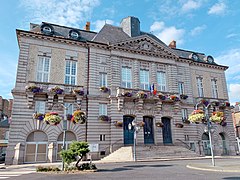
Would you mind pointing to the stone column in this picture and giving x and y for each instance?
(50, 152)
(16, 154)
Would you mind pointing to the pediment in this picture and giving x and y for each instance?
(145, 45)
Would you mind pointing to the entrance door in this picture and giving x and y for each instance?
(206, 144)
(148, 130)
(166, 131)
(224, 144)
(128, 133)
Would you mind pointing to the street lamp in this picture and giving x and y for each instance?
(209, 128)
(136, 128)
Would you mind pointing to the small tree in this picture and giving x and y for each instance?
(77, 150)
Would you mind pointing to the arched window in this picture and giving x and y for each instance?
(36, 147)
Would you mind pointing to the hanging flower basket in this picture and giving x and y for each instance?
(127, 94)
(159, 124)
(52, 118)
(79, 117)
(179, 125)
(215, 103)
(205, 102)
(223, 123)
(217, 117)
(161, 96)
(104, 89)
(56, 90)
(78, 92)
(224, 104)
(69, 117)
(196, 116)
(38, 116)
(118, 123)
(33, 88)
(104, 118)
(142, 95)
(183, 96)
(174, 98)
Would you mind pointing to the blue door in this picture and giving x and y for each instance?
(148, 130)
(166, 131)
(128, 133)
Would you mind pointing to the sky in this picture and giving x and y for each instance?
(207, 26)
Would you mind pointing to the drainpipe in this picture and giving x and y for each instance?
(88, 72)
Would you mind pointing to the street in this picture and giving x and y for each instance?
(140, 170)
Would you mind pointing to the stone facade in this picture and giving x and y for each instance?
(108, 52)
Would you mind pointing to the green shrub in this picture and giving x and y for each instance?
(87, 166)
(47, 169)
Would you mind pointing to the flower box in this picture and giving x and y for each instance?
(104, 89)
(38, 116)
(69, 117)
(159, 124)
(78, 92)
(142, 95)
(104, 118)
(118, 123)
(215, 103)
(79, 117)
(179, 125)
(223, 123)
(161, 96)
(56, 90)
(183, 96)
(33, 88)
(217, 117)
(174, 98)
(127, 94)
(52, 118)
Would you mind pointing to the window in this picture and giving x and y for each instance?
(126, 77)
(70, 72)
(161, 81)
(144, 79)
(103, 109)
(69, 108)
(180, 87)
(40, 106)
(102, 137)
(214, 88)
(43, 69)
(200, 86)
(184, 114)
(6, 136)
(103, 79)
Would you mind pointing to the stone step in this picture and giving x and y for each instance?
(121, 155)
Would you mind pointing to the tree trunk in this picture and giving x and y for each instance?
(78, 161)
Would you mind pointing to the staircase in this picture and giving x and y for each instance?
(147, 152)
(123, 154)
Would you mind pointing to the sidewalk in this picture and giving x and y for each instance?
(225, 166)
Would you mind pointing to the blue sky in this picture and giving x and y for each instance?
(208, 26)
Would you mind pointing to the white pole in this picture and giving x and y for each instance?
(64, 133)
(134, 144)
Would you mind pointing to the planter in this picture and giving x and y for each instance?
(33, 89)
(104, 118)
(78, 92)
(104, 89)
(174, 98)
(142, 95)
(79, 117)
(183, 96)
(127, 94)
(162, 96)
(196, 116)
(38, 116)
(56, 90)
(118, 123)
(159, 124)
(179, 125)
(52, 118)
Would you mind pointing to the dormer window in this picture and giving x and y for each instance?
(74, 34)
(47, 29)
(195, 57)
(210, 59)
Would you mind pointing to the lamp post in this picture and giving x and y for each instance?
(135, 130)
(206, 105)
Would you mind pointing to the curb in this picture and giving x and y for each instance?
(214, 170)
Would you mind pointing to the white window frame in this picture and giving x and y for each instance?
(69, 108)
(144, 79)
(214, 88)
(36, 150)
(72, 72)
(184, 114)
(40, 107)
(180, 87)
(200, 86)
(103, 79)
(126, 77)
(161, 81)
(43, 69)
(102, 109)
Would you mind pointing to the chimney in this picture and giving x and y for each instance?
(131, 26)
(87, 26)
(172, 44)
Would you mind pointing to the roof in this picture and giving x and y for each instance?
(4, 123)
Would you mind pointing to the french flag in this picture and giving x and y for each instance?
(153, 90)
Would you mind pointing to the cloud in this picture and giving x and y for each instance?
(197, 30)
(232, 35)
(63, 12)
(167, 34)
(190, 5)
(218, 9)
(100, 23)
(234, 91)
